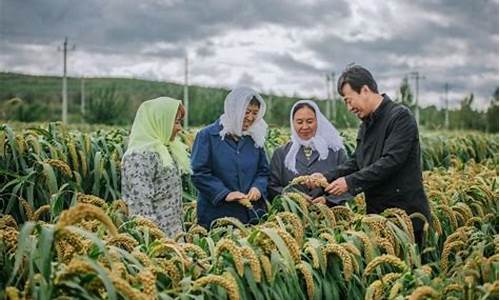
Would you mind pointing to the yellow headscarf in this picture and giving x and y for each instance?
(152, 129)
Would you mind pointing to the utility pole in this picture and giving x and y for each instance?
(334, 94)
(82, 95)
(417, 77)
(328, 115)
(186, 92)
(64, 82)
(446, 117)
(270, 105)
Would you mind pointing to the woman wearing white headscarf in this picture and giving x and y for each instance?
(229, 163)
(315, 147)
(153, 164)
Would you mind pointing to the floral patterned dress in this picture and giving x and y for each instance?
(153, 191)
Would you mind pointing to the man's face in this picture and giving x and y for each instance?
(357, 103)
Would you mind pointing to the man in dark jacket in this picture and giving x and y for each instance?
(386, 163)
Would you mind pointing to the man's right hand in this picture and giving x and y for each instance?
(235, 196)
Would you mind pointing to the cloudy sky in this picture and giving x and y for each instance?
(285, 47)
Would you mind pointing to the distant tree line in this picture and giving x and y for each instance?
(113, 101)
(464, 117)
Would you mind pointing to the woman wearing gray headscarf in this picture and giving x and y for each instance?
(315, 147)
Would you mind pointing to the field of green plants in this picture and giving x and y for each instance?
(65, 233)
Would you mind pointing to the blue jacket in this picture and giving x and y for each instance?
(224, 166)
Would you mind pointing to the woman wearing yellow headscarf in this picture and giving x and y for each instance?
(153, 164)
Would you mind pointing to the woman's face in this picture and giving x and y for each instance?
(305, 123)
(179, 118)
(250, 116)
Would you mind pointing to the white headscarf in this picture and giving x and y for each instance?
(326, 137)
(235, 106)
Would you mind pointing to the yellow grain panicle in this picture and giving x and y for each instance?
(41, 211)
(308, 278)
(291, 244)
(143, 221)
(75, 267)
(354, 252)
(448, 247)
(121, 206)
(423, 291)
(170, 268)
(436, 224)
(125, 289)
(246, 203)
(426, 269)
(91, 199)
(295, 221)
(309, 249)
(386, 245)
(375, 290)
(123, 241)
(328, 237)
(197, 250)
(169, 248)
(450, 214)
(385, 259)
(253, 261)
(342, 212)
(318, 181)
(464, 210)
(326, 213)
(474, 220)
(73, 154)
(60, 165)
(9, 237)
(493, 288)
(266, 267)
(389, 278)
(394, 291)
(82, 211)
(338, 250)
(142, 257)
(197, 229)
(300, 200)
(148, 280)
(406, 220)
(68, 243)
(226, 281)
(235, 251)
(367, 244)
(27, 208)
(8, 221)
(453, 287)
(12, 293)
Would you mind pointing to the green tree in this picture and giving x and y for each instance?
(106, 106)
(21, 110)
(492, 113)
(406, 94)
